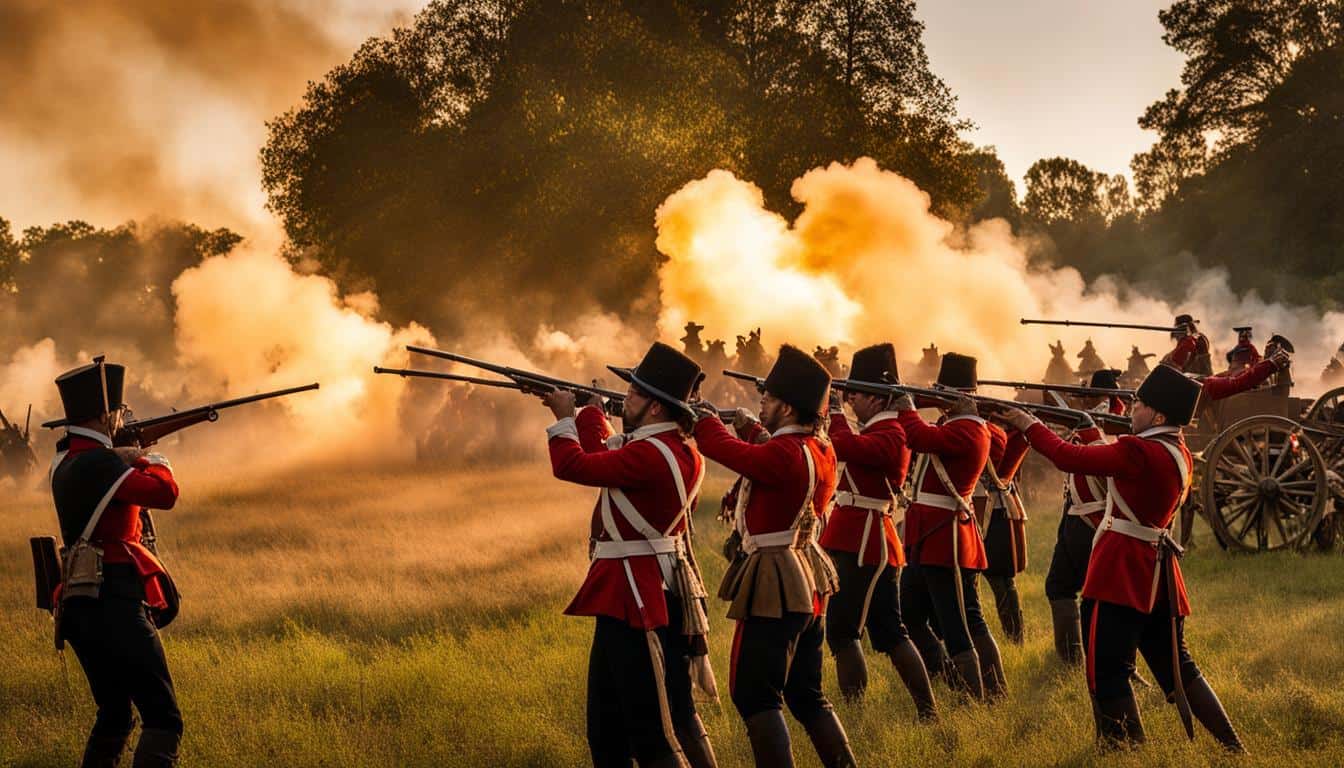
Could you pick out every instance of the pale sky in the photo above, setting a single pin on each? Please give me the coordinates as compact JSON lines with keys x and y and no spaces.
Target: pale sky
{"x":1042,"y":78}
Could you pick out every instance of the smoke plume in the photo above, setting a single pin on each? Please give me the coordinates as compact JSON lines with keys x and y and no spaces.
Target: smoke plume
{"x":867,"y":261}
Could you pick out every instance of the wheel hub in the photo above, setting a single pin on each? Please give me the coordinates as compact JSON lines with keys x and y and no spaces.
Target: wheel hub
{"x":1269,"y":488}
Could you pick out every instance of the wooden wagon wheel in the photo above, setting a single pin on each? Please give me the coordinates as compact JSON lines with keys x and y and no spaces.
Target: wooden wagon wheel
{"x":1265,"y":485}
{"x":1328,"y":408}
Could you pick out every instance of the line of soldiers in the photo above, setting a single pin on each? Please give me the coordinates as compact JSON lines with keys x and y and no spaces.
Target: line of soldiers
{"x":826,"y":546}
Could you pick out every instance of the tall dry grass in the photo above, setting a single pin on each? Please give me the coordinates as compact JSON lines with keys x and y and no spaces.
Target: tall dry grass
{"x":382,"y":616}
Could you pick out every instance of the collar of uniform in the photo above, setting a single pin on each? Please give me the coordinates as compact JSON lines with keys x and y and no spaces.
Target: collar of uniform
{"x":970,"y":416}
{"x":649,"y":430}
{"x":792,"y":429}
{"x":880,"y":417}
{"x":1156,"y":431}
{"x":89,"y":434}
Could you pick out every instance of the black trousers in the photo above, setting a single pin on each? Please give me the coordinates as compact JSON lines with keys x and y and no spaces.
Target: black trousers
{"x":123,"y":660}
{"x":928,"y":597}
{"x":999,"y":548}
{"x":845,"y":621}
{"x":777,"y":662}
{"x":1115,"y":633}
{"x":1068,"y":564}
{"x":624,"y":719}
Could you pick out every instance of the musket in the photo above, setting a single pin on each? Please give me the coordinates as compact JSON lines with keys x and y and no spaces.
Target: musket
{"x":1124,"y":394}
{"x":530,"y":380}
{"x":142,"y":433}
{"x":1087,"y":324}
{"x":418,"y":374}
{"x":1055,"y":414}
{"x":756,"y":380}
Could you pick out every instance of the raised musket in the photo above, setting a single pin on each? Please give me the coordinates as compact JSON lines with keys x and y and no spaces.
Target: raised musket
{"x":1089,"y":324}
{"x":614,"y":399}
{"x":531,"y":381}
{"x":1064,"y":389}
{"x":758,"y":381}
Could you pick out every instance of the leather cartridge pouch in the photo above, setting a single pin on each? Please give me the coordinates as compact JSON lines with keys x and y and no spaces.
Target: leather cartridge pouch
{"x":46,"y":569}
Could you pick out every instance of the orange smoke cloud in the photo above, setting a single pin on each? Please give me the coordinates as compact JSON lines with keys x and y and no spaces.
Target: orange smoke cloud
{"x":866,"y":261}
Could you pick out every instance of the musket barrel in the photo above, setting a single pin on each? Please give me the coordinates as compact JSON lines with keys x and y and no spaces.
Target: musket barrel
{"x":413,"y":373}
{"x":1090,"y":324}
{"x":1067,"y":389}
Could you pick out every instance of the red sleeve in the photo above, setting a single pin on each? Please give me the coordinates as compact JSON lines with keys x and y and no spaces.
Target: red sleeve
{"x":1185,"y":349}
{"x":752,"y":432}
{"x":880,"y":449}
{"x":923,"y":437}
{"x":1110,"y":460}
{"x":1219,"y":387}
{"x":594,"y":429}
{"x":626,"y":467}
{"x":769,"y":462}
{"x":1014,"y":452}
{"x":148,"y":485}
{"x":1087,"y":435}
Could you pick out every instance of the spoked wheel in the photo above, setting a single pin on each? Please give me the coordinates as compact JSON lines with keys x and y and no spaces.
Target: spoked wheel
{"x":1328,"y":408}
{"x":1265,"y":485}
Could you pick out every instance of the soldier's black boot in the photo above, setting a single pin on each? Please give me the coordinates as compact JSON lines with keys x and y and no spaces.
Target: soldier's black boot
{"x":991,"y":666}
{"x":695,"y":744}
{"x":1008,"y":605}
{"x":829,"y":739}
{"x":963,"y":674}
{"x":769,"y":736}
{"x":851,"y":670}
{"x":1206,"y":708}
{"x":157,"y":748}
{"x":910,"y":666}
{"x":1119,"y":725}
{"x":936,"y":662}
{"x":103,"y":749}
{"x":1068,"y":630}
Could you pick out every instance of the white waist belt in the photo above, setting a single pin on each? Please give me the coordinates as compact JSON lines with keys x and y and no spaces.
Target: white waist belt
{"x":619,"y":550}
{"x":847,"y":499}
{"x":774,"y":539}
{"x":1131,"y":529}
{"x":1086,"y":508}
{"x":950,"y":503}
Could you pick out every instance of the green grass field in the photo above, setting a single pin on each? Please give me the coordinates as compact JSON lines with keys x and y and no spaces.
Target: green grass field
{"x":377,"y":617}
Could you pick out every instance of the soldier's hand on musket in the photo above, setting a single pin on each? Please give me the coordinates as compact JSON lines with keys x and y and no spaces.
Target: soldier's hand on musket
{"x":742,"y":417}
{"x":1085,"y":421}
{"x":560,"y":401}
{"x":963,"y":406}
{"x":836,"y":400}
{"x":903,"y":402}
{"x":1281,"y":359}
{"x":704,"y":410}
{"x":583,"y":398}
{"x":129,"y":453}
{"x":1017,"y":418}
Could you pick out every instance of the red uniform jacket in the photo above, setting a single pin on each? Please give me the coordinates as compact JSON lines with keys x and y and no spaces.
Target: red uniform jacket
{"x":962,"y":443}
{"x":118,"y":530}
{"x":1219,"y":387}
{"x":580,"y":455}
{"x":778,"y":474}
{"x":1124,"y":570}
{"x":1187,"y":347}
{"x":876,"y":461}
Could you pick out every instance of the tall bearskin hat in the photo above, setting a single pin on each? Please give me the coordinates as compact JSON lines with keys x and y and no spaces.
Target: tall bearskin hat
{"x":799,"y":380}
{"x":1170,"y":393}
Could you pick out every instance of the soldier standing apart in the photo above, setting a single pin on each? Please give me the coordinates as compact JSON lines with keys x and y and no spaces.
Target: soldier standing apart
{"x":110,"y":614}
{"x":778,"y":580}
{"x":642,"y":585}
{"x":1084,"y":505}
{"x":1002,"y":519}
{"x":945,"y":549}
{"x":861,"y":536}
{"x":1134,"y":598}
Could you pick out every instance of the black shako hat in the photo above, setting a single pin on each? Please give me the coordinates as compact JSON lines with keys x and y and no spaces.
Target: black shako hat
{"x":800,"y":380}
{"x":957,"y":372}
{"x":1106,"y":378}
{"x":82,"y":390}
{"x":1170,"y":393}
{"x":875,"y":364}
{"x":665,"y":375}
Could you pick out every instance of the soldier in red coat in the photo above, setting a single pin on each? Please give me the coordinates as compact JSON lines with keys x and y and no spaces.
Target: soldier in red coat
{"x":111,"y":620}
{"x":1134,"y":599}
{"x":1084,"y":504}
{"x":1002,"y":519}
{"x":944,"y":550}
{"x":1244,"y":354}
{"x":779,"y":578}
{"x":861,"y":538}
{"x":1192,"y":353}
{"x":643,"y":586}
